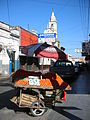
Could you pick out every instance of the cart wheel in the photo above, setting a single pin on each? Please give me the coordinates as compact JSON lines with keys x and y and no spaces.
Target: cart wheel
{"x":35,"y":111}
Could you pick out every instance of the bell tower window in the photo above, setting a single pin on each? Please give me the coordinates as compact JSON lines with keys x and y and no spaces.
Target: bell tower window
{"x":52,"y":25}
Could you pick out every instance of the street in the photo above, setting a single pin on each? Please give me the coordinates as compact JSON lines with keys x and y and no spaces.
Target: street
{"x":76,"y":106}
{"x":45,"y":60}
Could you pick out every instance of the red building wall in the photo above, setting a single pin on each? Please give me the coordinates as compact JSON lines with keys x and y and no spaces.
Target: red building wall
{"x":27,"y":38}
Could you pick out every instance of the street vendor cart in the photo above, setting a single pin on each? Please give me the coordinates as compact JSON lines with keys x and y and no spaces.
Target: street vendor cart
{"x":36,"y":90}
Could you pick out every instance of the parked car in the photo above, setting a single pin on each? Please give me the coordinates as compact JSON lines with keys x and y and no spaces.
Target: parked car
{"x":79,"y":65}
{"x":76,"y":67}
{"x":64,"y":68}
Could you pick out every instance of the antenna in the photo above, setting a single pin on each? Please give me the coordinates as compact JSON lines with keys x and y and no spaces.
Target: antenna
{"x":28,"y":26}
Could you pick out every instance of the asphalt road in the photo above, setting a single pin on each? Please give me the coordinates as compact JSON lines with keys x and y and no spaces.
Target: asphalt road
{"x":76,"y":106}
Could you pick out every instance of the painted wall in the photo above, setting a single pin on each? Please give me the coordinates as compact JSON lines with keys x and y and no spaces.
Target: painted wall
{"x":27,"y":38}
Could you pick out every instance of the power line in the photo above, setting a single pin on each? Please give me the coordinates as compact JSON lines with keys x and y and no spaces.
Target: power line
{"x":8,"y":12}
{"x":88,"y":18}
{"x":81,"y":15}
{"x":84,"y":17}
{"x":55,"y":3}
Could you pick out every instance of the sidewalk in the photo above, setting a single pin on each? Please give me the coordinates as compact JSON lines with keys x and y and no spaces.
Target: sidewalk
{"x":4,"y":76}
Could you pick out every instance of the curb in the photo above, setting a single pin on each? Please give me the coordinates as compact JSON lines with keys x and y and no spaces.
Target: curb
{"x":4,"y":77}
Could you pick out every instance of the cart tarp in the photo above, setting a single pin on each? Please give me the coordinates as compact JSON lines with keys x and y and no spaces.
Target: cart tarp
{"x":21,"y":77}
{"x":43,"y":50}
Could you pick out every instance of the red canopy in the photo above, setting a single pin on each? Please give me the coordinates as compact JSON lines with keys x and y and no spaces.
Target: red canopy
{"x":43,"y":50}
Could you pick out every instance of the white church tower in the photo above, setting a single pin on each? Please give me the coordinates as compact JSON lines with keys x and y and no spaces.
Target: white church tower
{"x":52,"y":27}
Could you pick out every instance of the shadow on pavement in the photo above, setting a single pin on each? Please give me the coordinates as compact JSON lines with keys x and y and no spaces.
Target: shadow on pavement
{"x":62,"y":110}
{"x":5,"y":101}
{"x":6,"y":85}
{"x":5,"y":82}
{"x":80,"y":84}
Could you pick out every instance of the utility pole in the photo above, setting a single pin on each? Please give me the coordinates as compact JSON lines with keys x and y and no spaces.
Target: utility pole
{"x":88,"y":18}
{"x":28,"y":26}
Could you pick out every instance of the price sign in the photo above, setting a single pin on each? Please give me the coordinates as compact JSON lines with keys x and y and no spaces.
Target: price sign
{"x":34,"y":80}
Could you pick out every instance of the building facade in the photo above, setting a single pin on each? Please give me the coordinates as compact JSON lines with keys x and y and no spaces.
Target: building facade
{"x":27,"y":38}
{"x":11,"y":39}
{"x":86,"y":48}
{"x":9,"y":42}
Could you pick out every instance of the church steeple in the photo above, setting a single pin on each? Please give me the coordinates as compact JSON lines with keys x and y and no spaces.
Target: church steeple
{"x":52,"y":26}
{"x":53,"y":23}
{"x":52,"y":18}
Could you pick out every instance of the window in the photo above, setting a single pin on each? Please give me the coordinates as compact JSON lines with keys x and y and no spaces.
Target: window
{"x":57,"y":64}
{"x":62,"y":63}
{"x":52,"y":25}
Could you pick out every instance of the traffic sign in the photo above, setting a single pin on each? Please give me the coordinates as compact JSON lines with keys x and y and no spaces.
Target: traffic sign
{"x":47,"y":37}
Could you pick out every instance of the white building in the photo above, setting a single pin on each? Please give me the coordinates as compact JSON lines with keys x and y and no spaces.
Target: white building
{"x":86,"y":48}
{"x":52,"y":26}
{"x":9,"y":44}
{"x":50,"y":33}
{"x":50,"y":30}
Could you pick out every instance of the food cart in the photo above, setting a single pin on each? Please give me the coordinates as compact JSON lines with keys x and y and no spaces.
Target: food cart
{"x":36,"y":90}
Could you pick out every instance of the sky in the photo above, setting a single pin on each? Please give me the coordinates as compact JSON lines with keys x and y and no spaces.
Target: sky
{"x":71,"y":15}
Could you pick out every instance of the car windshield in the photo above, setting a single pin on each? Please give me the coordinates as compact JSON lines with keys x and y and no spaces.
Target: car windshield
{"x":63,"y":63}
